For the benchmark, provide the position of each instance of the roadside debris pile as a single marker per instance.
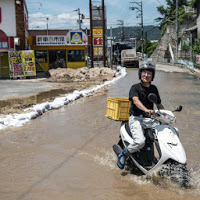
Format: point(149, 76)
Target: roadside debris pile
point(66, 75)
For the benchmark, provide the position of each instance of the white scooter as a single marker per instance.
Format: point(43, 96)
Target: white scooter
point(163, 151)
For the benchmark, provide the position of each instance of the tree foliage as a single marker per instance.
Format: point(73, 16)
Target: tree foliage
point(148, 47)
point(196, 46)
point(168, 13)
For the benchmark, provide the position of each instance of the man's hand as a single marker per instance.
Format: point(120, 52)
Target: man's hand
point(150, 112)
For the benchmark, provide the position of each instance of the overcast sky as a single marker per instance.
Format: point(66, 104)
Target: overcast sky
point(62, 14)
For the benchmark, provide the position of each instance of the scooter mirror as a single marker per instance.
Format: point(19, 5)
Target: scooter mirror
point(178, 109)
point(152, 97)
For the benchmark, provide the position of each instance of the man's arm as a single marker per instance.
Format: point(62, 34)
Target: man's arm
point(160, 106)
point(140, 105)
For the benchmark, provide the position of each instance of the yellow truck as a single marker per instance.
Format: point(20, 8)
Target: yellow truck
point(129, 58)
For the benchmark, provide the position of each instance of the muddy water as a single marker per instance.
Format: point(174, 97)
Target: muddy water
point(43, 96)
point(66, 154)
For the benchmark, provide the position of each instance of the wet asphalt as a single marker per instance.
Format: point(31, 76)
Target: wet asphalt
point(19, 88)
point(25, 87)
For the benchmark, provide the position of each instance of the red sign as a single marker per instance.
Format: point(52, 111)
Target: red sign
point(98, 41)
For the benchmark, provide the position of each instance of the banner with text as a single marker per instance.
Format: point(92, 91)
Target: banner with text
point(22, 63)
point(15, 63)
point(28, 61)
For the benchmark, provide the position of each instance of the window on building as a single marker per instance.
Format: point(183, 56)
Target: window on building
point(41, 56)
point(75, 55)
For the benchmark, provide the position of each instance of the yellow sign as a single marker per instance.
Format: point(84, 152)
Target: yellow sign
point(28, 62)
point(15, 64)
point(97, 32)
point(98, 51)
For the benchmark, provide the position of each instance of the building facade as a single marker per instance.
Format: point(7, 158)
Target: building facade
point(13, 30)
point(58, 48)
point(196, 5)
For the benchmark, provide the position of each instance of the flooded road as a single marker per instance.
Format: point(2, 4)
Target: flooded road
point(66, 154)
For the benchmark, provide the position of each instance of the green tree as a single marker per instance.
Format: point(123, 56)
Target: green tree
point(151, 48)
point(148, 47)
point(168, 13)
point(196, 46)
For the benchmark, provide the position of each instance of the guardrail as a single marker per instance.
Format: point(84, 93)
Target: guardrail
point(186, 63)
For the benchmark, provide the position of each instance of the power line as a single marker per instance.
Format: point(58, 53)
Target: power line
point(160, 2)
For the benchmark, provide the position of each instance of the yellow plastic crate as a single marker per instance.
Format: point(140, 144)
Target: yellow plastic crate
point(118, 108)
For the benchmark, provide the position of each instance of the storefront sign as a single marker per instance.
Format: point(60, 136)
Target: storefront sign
point(15, 63)
point(76, 38)
point(98, 51)
point(97, 32)
point(98, 41)
point(22, 63)
point(50, 40)
point(4, 40)
point(28, 63)
point(3, 45)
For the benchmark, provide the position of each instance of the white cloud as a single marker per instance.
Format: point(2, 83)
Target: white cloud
point(60, 21)
point(64, 16)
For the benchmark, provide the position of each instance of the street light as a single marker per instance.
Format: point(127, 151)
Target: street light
point(18, 2)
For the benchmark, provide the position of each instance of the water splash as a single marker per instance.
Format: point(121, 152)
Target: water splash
point(173, 183)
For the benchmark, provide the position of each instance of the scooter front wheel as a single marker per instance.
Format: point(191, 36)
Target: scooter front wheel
point(177, 172)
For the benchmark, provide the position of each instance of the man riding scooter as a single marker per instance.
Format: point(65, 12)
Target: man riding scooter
point(141, 107)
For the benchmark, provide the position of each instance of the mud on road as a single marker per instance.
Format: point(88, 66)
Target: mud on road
point(25, 93)
point(22, 94)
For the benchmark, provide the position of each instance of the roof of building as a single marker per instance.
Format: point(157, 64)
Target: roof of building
point(50, 32)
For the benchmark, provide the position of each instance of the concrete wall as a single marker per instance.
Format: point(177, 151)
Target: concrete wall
point(8, 23)
point(198, 19)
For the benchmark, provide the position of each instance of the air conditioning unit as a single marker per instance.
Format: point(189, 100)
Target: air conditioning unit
point(17, 41)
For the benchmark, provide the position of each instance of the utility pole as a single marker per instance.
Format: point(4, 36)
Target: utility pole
point(177, 16)
point(47, 26)
point(111, 48)
point(91, 36)
point(191, 54)
point(80, 17)
point(104, 34)
point(121, 23)
point(139, 8)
